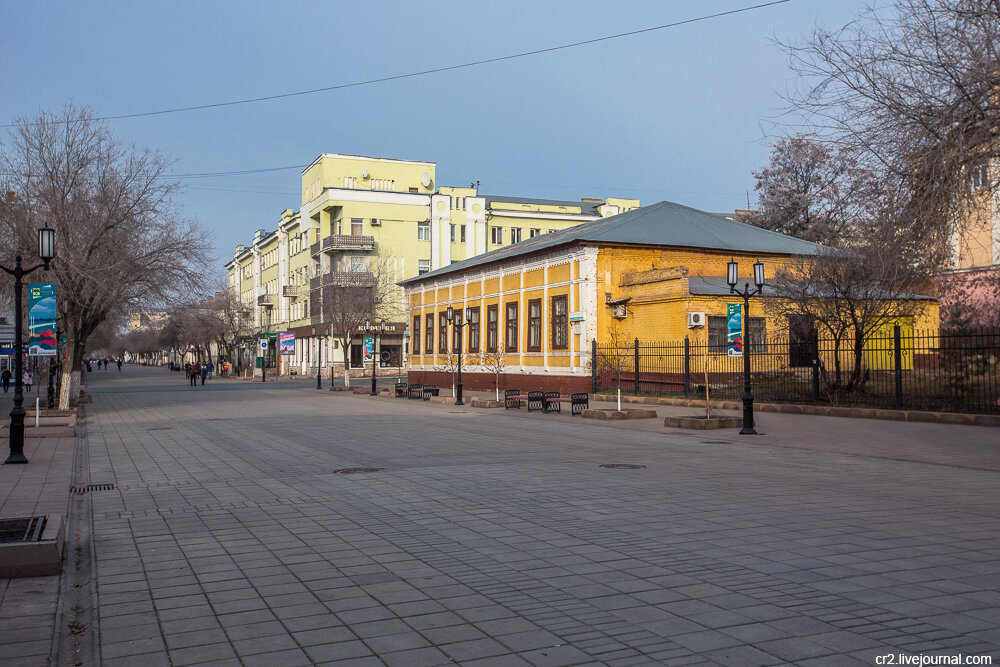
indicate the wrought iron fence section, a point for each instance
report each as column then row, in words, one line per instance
column 897, row 368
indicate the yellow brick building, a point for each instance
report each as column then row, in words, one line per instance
column 358, row 212
column 654, row 273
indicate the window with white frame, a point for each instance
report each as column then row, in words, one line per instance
column 423, row 266
column 534, row 232
column 496, row 235
column 515, row 234
column 452, row 233
column 423, row 231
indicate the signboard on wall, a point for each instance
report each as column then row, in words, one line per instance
column 286, row 343
column 42, row 319
column 734, row 331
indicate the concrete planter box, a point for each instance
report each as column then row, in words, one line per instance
column 700, row 423
column 619, row 414
column 484, row 403
column 35, row 559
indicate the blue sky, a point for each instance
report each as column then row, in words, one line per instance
column 679, row 114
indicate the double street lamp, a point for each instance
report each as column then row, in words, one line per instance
column 732, row 277
column 374, row 332
column 46, row 251
column 459, row 322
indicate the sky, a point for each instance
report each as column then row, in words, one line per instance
column 681, row 114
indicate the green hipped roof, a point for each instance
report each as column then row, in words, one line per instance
column 664, row 224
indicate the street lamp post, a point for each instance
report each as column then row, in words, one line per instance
column 46, row 251
column 374, row 333
column 459, row 323
column 319, row 361
column 732, row 279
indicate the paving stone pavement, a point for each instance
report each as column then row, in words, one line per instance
column 493, row 538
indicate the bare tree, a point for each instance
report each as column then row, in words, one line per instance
column 810, row 191
column 494, row 363
column 119, row 242
column 351, row 298
column 849, row 295
column 910, row 92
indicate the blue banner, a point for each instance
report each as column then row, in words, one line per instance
column 42, row 319
column 734, row 333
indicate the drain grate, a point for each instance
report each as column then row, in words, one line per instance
column 352, row 471
column 27, row 529
column 161, row 428
column 715, row 442
column 621, row 466
column 91, row 487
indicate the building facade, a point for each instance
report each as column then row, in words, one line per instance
column 382, row 221
column 655, row 273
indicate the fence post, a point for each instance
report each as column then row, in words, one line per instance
column 593, row 366
column 635, row 366
column 814, row 334
column 897, row 354
column 687, row 365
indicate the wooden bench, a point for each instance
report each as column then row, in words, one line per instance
column 415, row 391
column 578, row 402
column 430, row 390
column 402, row 390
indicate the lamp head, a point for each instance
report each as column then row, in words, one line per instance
column 758, row 273
column 46, row 244
column 731, row 275
column 450, row 314
column 368, row 325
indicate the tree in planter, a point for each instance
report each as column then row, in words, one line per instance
column 616, row 358
column 120, row 244
column 494, row 363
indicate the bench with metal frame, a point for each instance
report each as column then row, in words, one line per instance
column 415, row 391
column 512, row 399
column 552, row 402
column 430, row 390
column 402, row 390
column 536, row 400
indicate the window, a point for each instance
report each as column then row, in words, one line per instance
column 800, row 341
column 979, row 177
column 423, row 266
column 534, row 232
column 473, row 330
column 357, row 227
column 560, row 322
column 462, row 233
column 492, row 325
column 456, row 331
column 718, row 330
column 511, row 340
column 515, row 234
column 452, row 233
column 496, row 235
column 358, row 264
column 535, row 325
column 415, row 335
column 414, row 190
column 424, row 231
column 443, row 332
column 429, row 335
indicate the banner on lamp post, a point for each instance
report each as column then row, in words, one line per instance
column 286, row 343
column 42, row 319
column 734, row 329
column 369, row 348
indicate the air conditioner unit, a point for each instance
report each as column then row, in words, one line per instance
column 376, row 222
column 696, row 320
column 619, row 311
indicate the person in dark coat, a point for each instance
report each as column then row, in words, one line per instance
column 6, row 376
column 204, row 373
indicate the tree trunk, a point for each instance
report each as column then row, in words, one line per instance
column 69, row 385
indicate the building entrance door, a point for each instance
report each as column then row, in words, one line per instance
column 357, row 355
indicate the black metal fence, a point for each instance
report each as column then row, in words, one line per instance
column 957, row 372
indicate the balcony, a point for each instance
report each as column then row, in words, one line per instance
column 337, row 242
column 290, row 290
column 266, row 300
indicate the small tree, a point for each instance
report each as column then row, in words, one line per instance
column 494, row 363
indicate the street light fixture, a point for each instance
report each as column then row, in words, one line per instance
column 319, row 361
column 459, row 323
column 46, row 251
column 758, row 279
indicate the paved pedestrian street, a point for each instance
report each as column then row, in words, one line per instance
column 237, row 534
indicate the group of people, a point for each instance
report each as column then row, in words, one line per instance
column 197, row 370
column 6, row 376
column 105, row 362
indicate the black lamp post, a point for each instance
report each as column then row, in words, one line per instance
column 46, row 251
column 374, row 333
column 319, row 361
column 459, row 323
column 732, row 279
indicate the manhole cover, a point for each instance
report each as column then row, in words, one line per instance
column 353, row 471
column 91, row 487
column 621, row 466
column 22, row 530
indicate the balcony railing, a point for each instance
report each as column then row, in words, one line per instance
column 348, row 242
column 343, row 279
column 265, row 300
column 290, row 290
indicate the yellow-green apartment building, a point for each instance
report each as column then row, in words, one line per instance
column 355, row 209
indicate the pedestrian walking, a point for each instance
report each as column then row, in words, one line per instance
column 119, row 362
column 211, row 369
column 6, row 376
column 27, row 380
column 204, row 374
column 192, row 373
